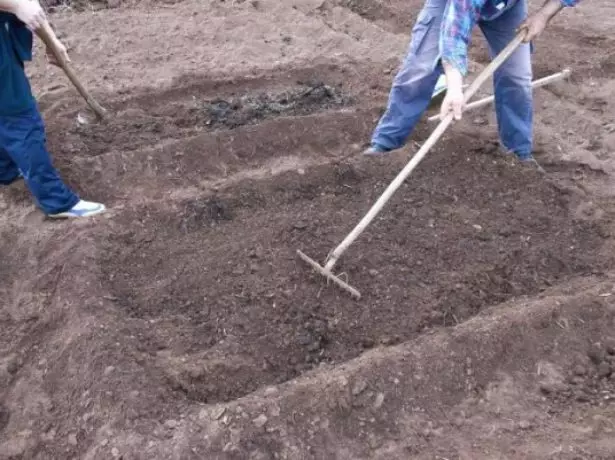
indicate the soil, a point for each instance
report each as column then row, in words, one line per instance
column 181, row 324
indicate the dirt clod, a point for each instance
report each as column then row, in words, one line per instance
column 580, row 370
column 525, row 424
column 596, row 354
column 604, row 370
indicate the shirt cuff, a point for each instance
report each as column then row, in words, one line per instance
column 457, row 62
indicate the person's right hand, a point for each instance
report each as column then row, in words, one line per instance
column 31, row 14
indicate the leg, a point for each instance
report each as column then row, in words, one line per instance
column 23, row 138
column 512, row 82
column 9, row 172
column 414, row 84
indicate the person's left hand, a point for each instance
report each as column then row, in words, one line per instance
column 535, row 25
column 63, row 52
column 453, row 101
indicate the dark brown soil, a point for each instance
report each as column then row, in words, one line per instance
column 441, row 253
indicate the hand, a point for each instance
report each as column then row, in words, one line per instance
column 534, row 25
column 31, row 14
column 63, row 52
column 453, row 102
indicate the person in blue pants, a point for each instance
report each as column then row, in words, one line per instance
column 439, row 43
column 23, row 153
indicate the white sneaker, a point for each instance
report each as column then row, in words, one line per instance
column 81, row 209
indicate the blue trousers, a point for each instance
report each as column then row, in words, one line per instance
column 416, row 80
column 23, row 151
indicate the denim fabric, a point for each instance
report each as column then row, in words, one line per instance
column 413, row 85
column 22, row 150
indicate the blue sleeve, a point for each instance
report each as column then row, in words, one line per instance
column 460, row 17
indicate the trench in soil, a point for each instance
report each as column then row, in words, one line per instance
column 220, row 304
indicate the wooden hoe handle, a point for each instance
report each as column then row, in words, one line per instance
column 49, row 38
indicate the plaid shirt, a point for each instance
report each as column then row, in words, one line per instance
column 460, row 17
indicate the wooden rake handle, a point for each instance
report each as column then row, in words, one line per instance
column 489, row 99
column 49, row 38
column 429, row 143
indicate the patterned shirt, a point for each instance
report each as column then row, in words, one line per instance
column 460, row 17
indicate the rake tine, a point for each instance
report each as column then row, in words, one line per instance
column 330, row 276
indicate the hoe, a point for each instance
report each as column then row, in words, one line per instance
column 327, row 269
column 48, row 36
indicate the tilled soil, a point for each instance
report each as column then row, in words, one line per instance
column 182, row 324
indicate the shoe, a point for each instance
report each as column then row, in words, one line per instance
column 376, row 150
column 532, row 163
column 81, row 209
column 497, row 149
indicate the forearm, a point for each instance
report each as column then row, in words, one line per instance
column 460, row 16
column 454, row 77
column 551, row 7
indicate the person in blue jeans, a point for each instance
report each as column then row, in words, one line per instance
column 23, row 154
column 439, row 43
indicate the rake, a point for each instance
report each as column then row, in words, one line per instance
column 327, row 269
column 535, row 84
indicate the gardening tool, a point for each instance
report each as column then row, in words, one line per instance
column 49, row 38
column 440, row 91
column 326, row 271
column 535, row 84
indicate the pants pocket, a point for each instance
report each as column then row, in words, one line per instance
column 420, row 30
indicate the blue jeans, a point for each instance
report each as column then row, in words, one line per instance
column 22, row 150
column 414, row 84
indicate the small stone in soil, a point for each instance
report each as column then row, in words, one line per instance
column 260, row 421
column 218, row 413
column 359, row 387
column 270, row 391
column 379, row 400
